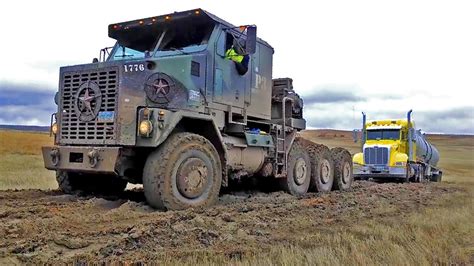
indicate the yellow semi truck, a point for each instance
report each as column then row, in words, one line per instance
column 394, row 149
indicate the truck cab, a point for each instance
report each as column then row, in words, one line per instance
column 393, row 149
column 182, row 103
column 384, row 152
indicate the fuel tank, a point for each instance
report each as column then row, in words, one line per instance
column 424, row 150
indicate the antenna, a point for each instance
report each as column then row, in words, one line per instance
column 353, row 114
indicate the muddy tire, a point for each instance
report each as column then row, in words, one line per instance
column 343, row 176
column 70, row 183
column 322, row 173
column 438, row 177
column 298, row 176
column 66, row 181
column 183, row 172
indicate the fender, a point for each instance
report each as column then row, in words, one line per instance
column 165, row 122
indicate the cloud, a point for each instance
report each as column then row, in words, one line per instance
column 450, row 120
column 10, row 87
column 333, row 94
column 25, row 104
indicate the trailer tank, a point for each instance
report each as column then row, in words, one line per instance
column 424, row 150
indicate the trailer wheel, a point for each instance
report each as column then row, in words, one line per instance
column 298, row 175
column 343, row 176
column 184, row 172
column 437, row 177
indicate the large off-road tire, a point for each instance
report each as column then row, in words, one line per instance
column 66, row 181
column 183, row 172
column 70, row 182
column 322, row 169
column 298, row 175
column 343, row 176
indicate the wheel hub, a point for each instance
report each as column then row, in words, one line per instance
column 192, row 178
column 300, row 170
column 325, row 171
column 346, row 173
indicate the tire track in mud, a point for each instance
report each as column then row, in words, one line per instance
column 49, row 227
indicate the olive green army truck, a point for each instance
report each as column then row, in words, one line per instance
column 184, row 103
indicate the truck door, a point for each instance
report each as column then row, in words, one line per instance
column 230, row 87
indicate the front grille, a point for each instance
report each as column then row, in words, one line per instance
column 72, row 129
column 376, row 155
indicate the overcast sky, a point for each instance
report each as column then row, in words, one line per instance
column 381, row 57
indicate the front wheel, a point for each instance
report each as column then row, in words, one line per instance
column 184, row 172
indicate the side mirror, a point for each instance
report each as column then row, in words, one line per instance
column 95, row 60
column 251, row 41
column 56, row 98
column 355, row 132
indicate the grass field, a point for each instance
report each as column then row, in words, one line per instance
column 442, row 232
column 21, row 165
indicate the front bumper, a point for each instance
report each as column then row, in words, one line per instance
column 83, row 159
column 380, row 171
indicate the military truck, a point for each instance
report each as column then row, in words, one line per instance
column 394, row 149
column 167, row 107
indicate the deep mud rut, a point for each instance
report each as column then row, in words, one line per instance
column 50, row 227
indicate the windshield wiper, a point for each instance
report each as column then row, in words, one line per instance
column 179, row 50
column 123, row 53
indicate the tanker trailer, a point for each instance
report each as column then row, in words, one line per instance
column 394, row 149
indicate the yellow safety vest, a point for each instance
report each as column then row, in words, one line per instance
column 231, row 54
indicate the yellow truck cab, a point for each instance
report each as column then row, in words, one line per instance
column 392, row 148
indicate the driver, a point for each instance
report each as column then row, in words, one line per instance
column 237, row 54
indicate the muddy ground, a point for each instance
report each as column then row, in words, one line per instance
column 49, row 227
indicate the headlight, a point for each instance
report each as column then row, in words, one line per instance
column 145, row 128
column 400, row 164
column 55, row 128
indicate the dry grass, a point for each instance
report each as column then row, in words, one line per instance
column 19, row 142
column 21, row 163
column 440, row 234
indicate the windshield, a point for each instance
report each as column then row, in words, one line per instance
column 392, row 134
column 179, row 36
column 121, row 52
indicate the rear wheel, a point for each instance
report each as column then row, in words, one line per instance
column 322, row 170
column 298, row 175
column 184, row 172
column 343, row 176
